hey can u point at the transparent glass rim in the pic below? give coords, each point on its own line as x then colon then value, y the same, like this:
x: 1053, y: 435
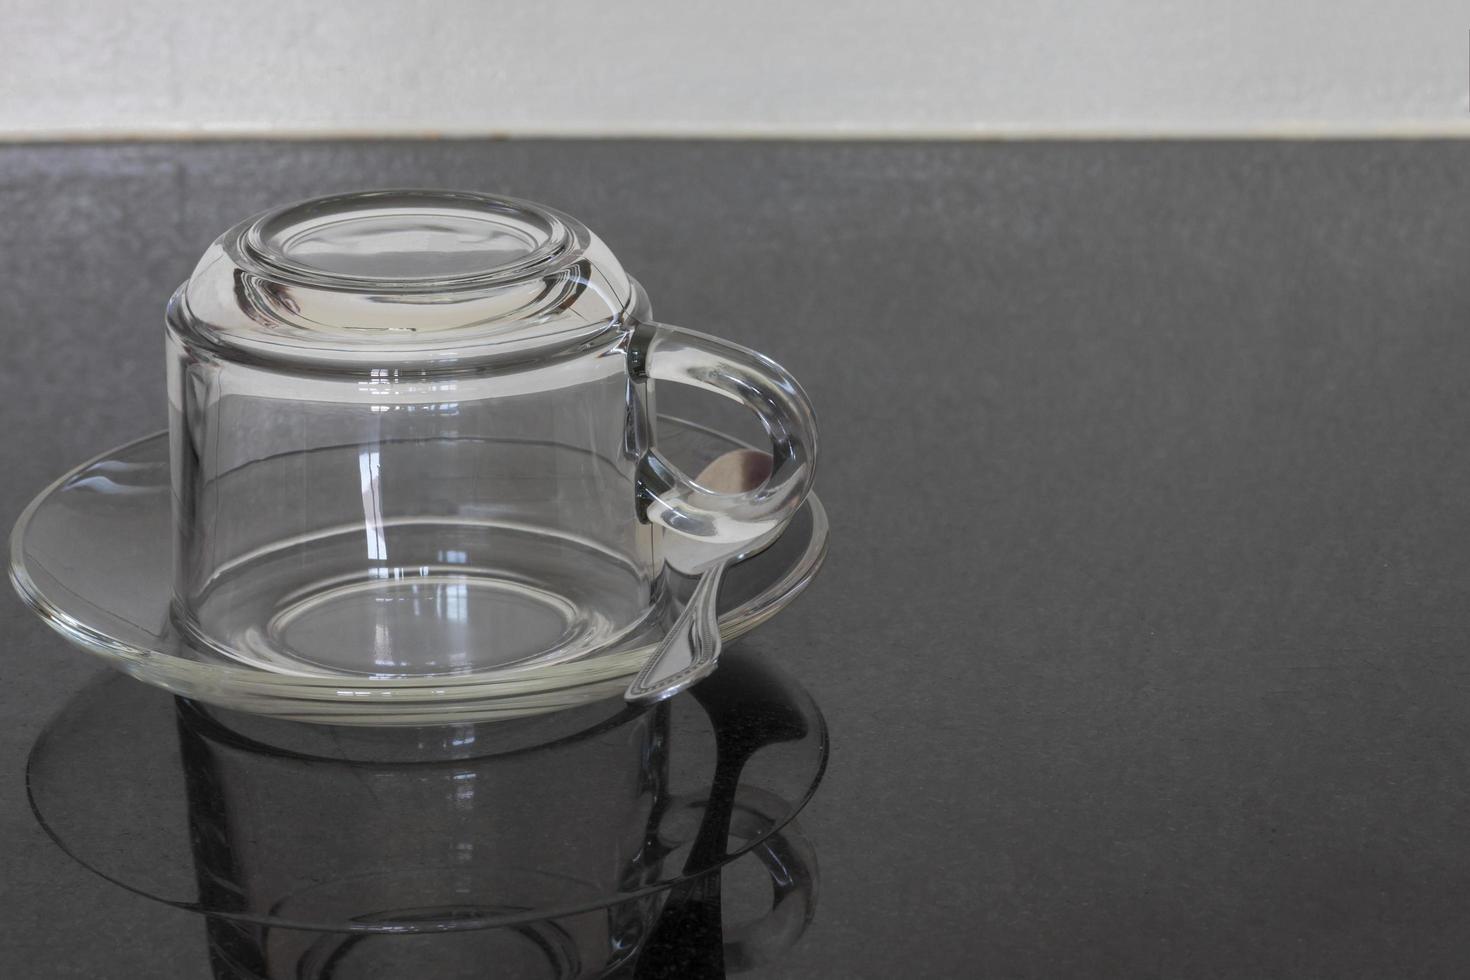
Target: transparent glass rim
x: 533, y: 688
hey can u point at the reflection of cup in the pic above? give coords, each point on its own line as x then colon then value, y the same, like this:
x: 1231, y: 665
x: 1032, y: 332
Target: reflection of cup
x: 594, y: 943
x: 411, y: 436
x: 421, y: 826
x: 544, y: 844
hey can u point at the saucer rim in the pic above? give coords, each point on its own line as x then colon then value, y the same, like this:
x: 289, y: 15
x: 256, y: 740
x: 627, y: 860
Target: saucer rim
x: 328, y: 698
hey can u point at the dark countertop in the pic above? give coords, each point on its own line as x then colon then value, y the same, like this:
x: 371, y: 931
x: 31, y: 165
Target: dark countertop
x: 1142, y: 636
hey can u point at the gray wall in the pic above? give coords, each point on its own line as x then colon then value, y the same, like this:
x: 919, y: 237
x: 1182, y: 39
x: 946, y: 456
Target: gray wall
x: 861, y: 67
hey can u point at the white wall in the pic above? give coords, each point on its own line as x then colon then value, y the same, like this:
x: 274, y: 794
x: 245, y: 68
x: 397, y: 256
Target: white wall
x: 738, y: 67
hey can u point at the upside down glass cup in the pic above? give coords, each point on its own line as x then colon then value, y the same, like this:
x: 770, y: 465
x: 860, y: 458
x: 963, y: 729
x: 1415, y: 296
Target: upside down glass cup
x: 412, y: 435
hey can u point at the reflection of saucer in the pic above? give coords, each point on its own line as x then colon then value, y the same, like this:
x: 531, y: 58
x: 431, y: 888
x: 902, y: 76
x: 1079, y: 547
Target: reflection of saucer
x: 448, y: 828
x: 93, y: 556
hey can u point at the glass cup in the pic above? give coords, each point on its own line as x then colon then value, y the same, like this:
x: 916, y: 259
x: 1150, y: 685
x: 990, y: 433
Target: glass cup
x: 412, y: 435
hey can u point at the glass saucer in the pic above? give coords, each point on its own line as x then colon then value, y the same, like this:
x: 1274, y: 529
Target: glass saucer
x: 417, y: 830
x: 92, y: 555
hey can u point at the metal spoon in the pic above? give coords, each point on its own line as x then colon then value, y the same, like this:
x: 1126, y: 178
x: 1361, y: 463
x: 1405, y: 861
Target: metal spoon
x: 691, y: 648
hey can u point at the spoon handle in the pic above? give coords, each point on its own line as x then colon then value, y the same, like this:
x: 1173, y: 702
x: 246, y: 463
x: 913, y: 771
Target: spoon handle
x: 690, y: 649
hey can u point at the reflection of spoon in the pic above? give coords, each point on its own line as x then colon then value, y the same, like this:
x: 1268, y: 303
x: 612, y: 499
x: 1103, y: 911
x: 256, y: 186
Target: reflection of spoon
x: 691, y: 648
x: 748, y: 710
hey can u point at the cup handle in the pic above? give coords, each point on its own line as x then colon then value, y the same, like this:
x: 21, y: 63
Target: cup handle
x: 670, y: 498
x: 791, y: 863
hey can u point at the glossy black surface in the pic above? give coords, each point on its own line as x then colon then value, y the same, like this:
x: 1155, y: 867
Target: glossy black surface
x: 1141, y: 640
x: 364, y: 829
